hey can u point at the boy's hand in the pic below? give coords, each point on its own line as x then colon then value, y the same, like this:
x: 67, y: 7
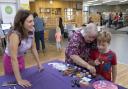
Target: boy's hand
x: 97, y: 62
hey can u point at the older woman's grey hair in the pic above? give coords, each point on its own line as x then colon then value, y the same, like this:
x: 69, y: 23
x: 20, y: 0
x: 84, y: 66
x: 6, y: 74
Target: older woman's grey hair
x: 91, y: 28
x: 90, y: 32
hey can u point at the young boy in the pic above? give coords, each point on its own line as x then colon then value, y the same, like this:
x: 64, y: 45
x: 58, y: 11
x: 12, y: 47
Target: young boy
x: 103, y: 58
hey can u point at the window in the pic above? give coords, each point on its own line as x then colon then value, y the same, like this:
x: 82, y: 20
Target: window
x: 69, y: 14
x: 85, y: 8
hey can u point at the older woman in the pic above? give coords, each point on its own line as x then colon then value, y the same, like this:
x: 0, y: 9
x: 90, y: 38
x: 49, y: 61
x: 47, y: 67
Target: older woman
x: 79, y: 46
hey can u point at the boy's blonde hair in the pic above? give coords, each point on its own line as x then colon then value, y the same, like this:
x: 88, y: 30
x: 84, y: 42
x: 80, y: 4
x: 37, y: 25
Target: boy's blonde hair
x: 104, y: 36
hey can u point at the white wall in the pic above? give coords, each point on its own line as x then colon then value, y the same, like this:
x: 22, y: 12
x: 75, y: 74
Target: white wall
x: 85, y: 13
x: 7, y: 18
x: 7, y: 1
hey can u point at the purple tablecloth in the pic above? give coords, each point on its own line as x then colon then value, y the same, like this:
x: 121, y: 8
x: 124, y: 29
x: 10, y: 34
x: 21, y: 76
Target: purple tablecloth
x: 50, y: 78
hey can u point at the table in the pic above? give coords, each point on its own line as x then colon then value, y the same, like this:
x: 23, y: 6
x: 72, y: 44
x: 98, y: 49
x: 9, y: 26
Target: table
x: 50, y: 78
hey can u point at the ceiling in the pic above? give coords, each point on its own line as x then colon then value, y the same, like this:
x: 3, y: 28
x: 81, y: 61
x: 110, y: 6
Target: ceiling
x: 73, y: 0
x: 97, y: 2
x: 101, y: 2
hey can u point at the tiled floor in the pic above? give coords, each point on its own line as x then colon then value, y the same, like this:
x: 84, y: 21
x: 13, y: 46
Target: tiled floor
x: 119, y: 45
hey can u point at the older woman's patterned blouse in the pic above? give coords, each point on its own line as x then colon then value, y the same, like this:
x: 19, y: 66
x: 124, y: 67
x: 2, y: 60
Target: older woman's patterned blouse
x: 78, y: 46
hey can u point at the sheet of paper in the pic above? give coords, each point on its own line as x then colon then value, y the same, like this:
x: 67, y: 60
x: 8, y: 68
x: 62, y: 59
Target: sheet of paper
x: 86, y: 79
x: 58, y: 66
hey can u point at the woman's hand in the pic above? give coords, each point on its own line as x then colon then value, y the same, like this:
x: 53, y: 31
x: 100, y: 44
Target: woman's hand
x: 92, y: 69
x: 24, y: 83
x: 40, y: 67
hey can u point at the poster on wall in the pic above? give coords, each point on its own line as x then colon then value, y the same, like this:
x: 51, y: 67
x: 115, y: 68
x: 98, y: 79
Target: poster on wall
x: 8, y: 12
x: 24, y: 4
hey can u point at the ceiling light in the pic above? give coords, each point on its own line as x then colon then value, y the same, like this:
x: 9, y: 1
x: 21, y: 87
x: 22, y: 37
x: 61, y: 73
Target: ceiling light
x: 124, y: 1
x: 97, y: 4
x: 51, y: 2
x: 91, y: 1
x: 106, y: 1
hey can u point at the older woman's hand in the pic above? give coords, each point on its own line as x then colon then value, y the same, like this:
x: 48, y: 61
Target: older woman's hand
x: 92, y: 69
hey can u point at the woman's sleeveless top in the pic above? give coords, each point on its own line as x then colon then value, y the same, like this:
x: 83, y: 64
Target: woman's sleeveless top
x: 24, y: 45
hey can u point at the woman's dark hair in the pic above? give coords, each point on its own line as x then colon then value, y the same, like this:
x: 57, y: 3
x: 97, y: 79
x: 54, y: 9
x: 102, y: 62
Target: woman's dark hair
x: 19, y: 20
x: 60, y: 20
x: 35, y: 14
x: 120, y: 14
x: 61, y: 25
